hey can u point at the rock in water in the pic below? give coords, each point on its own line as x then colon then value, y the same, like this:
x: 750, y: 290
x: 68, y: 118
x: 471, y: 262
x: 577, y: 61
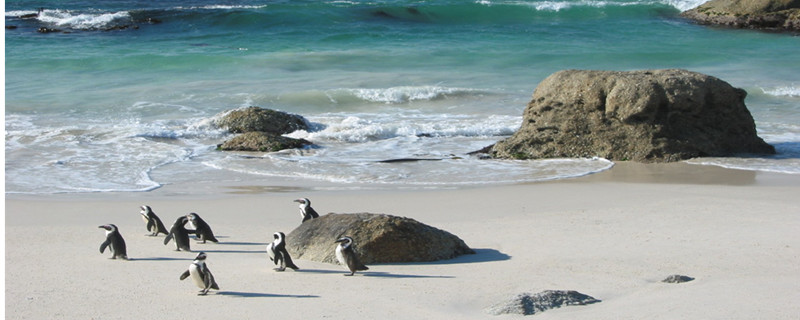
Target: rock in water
x: 647, y: 116
x: 262, y: 142
x: 752, y: 14
x: 528, y: 304
x: 378, y: 238
x: 259, y: 119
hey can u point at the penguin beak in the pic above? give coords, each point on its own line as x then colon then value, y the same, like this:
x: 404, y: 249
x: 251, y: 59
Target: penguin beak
x: 107, y: 227
x: 299, y: 200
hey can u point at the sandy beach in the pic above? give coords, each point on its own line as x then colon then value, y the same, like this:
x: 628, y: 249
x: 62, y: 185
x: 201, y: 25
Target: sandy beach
x: 613, y: 235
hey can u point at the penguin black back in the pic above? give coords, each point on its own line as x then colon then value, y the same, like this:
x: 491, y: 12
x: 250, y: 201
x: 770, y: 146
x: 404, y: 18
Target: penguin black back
x: 180, y: 234
x: 114, y: 242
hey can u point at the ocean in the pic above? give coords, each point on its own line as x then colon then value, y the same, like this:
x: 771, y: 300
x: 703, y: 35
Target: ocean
x: 123, y: 97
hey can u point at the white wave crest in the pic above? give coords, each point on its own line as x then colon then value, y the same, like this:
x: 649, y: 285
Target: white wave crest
x: 787, y: 91
x: 84, y: 21
x: 408, y: 93
x: 548, y: 5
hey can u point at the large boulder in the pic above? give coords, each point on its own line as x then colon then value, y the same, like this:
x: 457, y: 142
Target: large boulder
x: 262, y: 142
x: 753, y: 14
x: 645, y: 116
x: 377, y: 238
x: 264, y: 120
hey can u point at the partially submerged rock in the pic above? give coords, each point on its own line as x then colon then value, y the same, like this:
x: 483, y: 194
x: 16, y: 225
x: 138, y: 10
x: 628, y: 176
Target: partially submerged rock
x: 645, y: 116
x: 528, y: 304
x: 751, y: 14
x: 260, y: 119
x: 262, y: 142
x: 378, y: 238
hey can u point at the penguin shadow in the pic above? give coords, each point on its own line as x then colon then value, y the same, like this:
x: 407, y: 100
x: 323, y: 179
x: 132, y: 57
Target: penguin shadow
x: 160, y: 259
x: 238, y: 294
x: 370, y: 273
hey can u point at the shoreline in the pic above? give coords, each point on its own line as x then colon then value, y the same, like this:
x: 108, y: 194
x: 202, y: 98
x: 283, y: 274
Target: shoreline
x: 613, y: 235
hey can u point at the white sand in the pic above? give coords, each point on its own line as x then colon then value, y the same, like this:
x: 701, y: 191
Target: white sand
x: 612, y: 236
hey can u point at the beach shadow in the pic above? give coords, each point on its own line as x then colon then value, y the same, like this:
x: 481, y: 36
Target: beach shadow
x: 231, y: 251
x: 160, y: 259
x: 317, y: 271
x: 262, y: 295
x: 480, y: 255
x: 244, y: 243
x: 396, y: 275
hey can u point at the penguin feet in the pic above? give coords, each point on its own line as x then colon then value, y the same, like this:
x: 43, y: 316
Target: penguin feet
x: 279, y: 269
x: 349, y: 274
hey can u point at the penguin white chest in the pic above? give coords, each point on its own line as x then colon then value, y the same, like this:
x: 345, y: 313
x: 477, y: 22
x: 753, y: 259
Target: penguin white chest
x: 340, y: 256
x: 271, y: 251
x: 197, y: 275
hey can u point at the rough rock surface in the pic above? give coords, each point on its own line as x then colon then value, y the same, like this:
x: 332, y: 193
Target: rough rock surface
x: 752, y: 14
x: 260, y: 119
x: 676, y: 278
x: 528, y: 304
x: 377, y: 238
x: 262, y: 142
x: 646, y: 116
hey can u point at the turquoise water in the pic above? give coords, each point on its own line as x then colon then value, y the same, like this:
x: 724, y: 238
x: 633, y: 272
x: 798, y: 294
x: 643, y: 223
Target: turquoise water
x: 104, y: 106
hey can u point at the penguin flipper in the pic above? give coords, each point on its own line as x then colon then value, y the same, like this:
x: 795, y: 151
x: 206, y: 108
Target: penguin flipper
x: 168, y: 238
x: 185, y: 275
x: 312, y: 213
x: 150, y: 224
x: 104, y: 245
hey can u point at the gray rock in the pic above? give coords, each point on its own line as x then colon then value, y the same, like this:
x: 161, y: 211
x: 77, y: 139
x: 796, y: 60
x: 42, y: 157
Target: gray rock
x: 252, y: 119
x: 752, y: 14
x: 528, y: 304
x: 378, y: 238
x: 676, y: 278
x: 645, y: 116
x: 262, y: 142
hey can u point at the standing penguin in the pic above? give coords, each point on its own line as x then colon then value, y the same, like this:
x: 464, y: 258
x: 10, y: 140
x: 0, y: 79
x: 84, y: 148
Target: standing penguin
x: 180, y: 234
x: 153, y: 223
x: 306, y: 211
x: 201, y: 228
x: 348, y: 257
x: 278, y: 254
x: 114, y: 242
x: 200, y: 274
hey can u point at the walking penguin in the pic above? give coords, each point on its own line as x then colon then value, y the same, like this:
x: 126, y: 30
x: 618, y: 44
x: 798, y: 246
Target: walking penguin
x: 278, y: 254
x: 200, y: 274
x: 201, y: 229
x: 180, y: 234
x: 153, y: 223
x: 114, y: 242
x: 348, y: 257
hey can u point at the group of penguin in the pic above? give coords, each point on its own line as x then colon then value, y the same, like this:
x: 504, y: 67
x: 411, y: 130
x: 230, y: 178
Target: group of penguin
x: 198, y: 270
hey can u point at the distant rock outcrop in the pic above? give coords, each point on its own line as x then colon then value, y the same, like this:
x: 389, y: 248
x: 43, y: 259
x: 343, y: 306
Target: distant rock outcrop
x: 528, y: 304
x: 645, y: 116
x: 262, y: 130
x: 751, y: 14
x: 377, y: 238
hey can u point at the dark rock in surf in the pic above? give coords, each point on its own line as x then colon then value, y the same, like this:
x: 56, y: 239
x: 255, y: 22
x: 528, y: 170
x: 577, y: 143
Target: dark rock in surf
x: 528, y: 304
x: 260, y: 119
x: 645, y: 116
x: 778, y: 15
x: 378, y: 238
x: 262, y: 142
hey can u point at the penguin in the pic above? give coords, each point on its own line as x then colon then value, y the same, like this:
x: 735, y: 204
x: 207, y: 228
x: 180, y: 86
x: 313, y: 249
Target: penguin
x: 306, y: 211
x: 181, y: 235
x: 201, y: 228
x: 153, y: 223
x: 200, y: 274
x: 114, y: 242
x: 278, y: 254
x: 347, y: 257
